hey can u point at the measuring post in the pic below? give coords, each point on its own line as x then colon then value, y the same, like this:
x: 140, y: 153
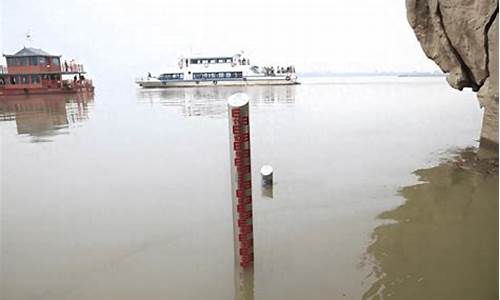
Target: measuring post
x: 241, y: 179
x: 267, y: 175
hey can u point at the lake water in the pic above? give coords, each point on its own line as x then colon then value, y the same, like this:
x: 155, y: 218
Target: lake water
x: 126, y: 194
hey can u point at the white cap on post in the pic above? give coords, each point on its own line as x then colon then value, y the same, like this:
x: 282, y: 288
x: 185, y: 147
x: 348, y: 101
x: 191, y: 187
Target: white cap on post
x: 267, y: 174
x: 238, y: 100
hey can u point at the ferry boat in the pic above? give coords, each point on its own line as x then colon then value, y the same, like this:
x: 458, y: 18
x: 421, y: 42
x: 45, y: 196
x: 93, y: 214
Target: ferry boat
x: 34, y: 71
x: 233, y: 70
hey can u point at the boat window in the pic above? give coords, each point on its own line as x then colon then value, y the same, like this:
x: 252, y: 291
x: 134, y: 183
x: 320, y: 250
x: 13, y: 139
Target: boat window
x: 35, y: 78
x: 213, y: 61
x: 55, y: 61
x: 24, y: 61
x: 42, y: 60
x: 34, y: 61
x: 171, y: 76
x: 212, y: 75
x: 24, y: 79
x: 221, y: 60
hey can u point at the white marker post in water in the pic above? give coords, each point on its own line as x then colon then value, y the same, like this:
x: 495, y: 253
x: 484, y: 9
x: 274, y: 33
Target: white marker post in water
x: 267, y: 175
x: 241, y: 179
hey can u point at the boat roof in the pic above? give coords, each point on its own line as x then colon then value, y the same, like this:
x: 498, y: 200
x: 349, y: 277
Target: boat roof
x: 210, y: 57
x: 30, y: 52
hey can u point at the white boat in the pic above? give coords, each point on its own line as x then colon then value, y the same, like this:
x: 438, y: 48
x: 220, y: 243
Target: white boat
x: 233, y: 70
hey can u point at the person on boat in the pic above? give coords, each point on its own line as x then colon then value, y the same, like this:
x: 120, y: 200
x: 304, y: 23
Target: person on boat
x: 2, y: 82
x: 75, y: 78
x: 66, y: 66
x: 149, y: 75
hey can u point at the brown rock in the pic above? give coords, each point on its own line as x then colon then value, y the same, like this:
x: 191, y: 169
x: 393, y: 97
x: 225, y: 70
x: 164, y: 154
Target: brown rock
x: 461, y: 36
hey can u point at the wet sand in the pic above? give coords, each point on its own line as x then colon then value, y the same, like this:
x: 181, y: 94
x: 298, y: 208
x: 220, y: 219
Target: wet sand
x: 442, y: 243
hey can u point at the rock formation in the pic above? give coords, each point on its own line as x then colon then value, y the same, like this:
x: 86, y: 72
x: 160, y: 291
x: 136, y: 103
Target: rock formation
x: 461, y: 36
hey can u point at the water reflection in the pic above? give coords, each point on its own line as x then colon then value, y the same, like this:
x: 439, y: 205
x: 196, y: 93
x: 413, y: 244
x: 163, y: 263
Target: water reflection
x: 211, y: 101
x: 267, y: 191
x: 443, y: 243
x: 41, y: 116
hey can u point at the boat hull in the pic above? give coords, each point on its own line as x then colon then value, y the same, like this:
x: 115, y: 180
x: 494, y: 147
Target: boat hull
x: 44, y: 91
x: 154, y: 83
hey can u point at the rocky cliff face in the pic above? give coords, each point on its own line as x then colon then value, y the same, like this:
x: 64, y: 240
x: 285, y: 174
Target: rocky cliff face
x: 461, y: 36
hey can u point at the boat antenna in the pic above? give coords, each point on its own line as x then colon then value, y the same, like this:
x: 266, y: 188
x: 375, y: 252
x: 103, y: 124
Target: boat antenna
x: 29, y: 40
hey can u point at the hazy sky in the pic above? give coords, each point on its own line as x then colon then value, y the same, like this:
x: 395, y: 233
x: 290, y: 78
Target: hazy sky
x: 133, y: 37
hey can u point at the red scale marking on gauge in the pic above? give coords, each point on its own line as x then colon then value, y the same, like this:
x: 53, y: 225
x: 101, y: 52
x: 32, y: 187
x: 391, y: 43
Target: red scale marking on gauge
x: 242, y: 185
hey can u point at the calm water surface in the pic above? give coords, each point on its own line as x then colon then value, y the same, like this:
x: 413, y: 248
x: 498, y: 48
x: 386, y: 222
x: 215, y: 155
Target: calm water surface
x: 126, y: 194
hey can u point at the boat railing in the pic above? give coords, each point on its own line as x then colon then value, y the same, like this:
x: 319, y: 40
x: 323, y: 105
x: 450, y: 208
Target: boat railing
x: 3, y: 69
x: 83, y: 84
x: 278, y: 71
x: 145, y: 78
x: 72, y: 68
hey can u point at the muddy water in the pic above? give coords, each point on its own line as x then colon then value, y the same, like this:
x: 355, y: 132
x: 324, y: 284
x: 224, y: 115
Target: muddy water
x: 126, y: 195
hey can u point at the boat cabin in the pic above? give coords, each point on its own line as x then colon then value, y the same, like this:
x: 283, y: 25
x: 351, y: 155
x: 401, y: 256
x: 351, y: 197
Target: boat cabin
x: 211, y: 60
x: 32, y: 69
x: 237, y: 59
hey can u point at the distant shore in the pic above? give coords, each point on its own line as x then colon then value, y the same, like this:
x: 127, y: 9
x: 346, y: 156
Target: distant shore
x: 371, y: 74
